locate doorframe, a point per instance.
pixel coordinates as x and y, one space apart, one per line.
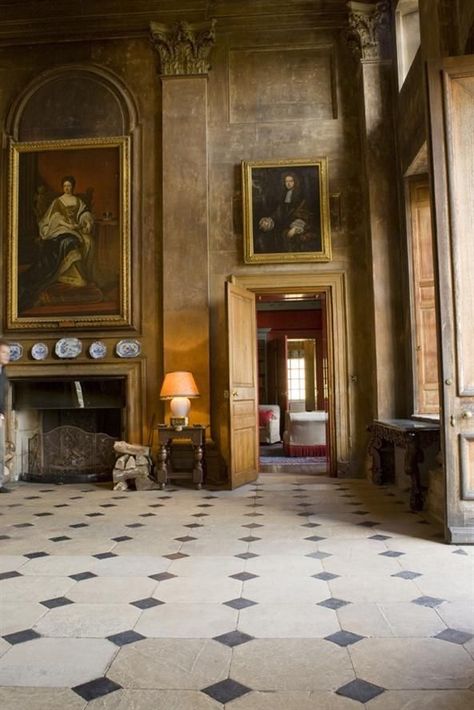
333 284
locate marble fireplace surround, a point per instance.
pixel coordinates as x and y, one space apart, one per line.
21 424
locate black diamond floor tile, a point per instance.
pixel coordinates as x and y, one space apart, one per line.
135 525
243 576
311 525
333 603
108 505
147 603
125 637
122 538
406 574
432 602
250 526
454 636
194 525
368 524
104 555
226 690
35 555
5 537
175 556
380 537
185 538
240 603
162 576
344 638
23 525
360 690
156 505
233 638
96 688
21 636
246 555
315 538
147 515
391 553
79 525
318 555
459 552
10 575
325 576
250 538
42 515
56 602
60 538
80 576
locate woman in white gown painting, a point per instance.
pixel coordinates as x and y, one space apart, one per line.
65 261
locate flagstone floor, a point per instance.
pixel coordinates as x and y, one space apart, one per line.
295 593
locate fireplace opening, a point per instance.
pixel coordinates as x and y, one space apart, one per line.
67 426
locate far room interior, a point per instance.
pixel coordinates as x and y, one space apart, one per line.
293 382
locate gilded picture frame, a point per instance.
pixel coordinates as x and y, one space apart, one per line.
286 211
69 234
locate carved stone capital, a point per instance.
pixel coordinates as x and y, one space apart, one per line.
368 32
185 47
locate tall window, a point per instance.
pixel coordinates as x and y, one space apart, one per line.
296 373
407 29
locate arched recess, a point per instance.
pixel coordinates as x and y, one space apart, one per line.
73 101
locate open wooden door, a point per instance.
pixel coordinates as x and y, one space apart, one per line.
451 97
243 385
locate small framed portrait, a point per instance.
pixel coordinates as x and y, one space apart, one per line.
69 233
286 211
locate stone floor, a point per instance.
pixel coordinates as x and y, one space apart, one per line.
295 593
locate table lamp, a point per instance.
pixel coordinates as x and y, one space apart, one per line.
179 387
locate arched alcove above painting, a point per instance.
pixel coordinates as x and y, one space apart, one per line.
72 102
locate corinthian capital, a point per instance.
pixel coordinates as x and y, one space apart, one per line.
185 47
369 29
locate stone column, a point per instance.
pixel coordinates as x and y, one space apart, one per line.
183 51
369 36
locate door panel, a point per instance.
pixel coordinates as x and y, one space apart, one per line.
451 95
243 386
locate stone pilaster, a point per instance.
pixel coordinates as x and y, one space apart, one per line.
369 37
184 51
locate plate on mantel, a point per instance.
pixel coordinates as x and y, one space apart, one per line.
98 350
39 351
128 348
16 351
68 348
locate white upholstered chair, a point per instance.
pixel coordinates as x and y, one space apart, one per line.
305 433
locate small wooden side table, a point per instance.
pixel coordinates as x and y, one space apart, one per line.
166 435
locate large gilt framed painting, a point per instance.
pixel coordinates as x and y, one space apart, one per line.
69 241
286 211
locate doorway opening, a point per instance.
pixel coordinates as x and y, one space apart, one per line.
293 382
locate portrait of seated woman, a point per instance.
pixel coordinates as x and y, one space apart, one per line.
63 270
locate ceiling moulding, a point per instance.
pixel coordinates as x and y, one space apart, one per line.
33 23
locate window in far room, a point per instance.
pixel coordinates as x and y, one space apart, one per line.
407 29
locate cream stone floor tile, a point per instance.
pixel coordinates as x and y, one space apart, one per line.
88 620
16 616
34 589
40 699
199 589
288 621
365 619
281 565
11 562
143 547
373 588
155 700
458 615
186 620
4 647
184 664
59 565
412 620
131 566
203 566
282 546
284 700
112 590
285 589
423 700
216 546
457 586
56 662
420 664
291 664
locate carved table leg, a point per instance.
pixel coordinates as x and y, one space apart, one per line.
162 473
374 447
197 470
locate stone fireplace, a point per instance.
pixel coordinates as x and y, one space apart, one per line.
64 421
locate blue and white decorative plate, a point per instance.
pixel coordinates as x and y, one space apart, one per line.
16 351
39 351
68 348
128 348
97 350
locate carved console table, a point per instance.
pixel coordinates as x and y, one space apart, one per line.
409 434
166 435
